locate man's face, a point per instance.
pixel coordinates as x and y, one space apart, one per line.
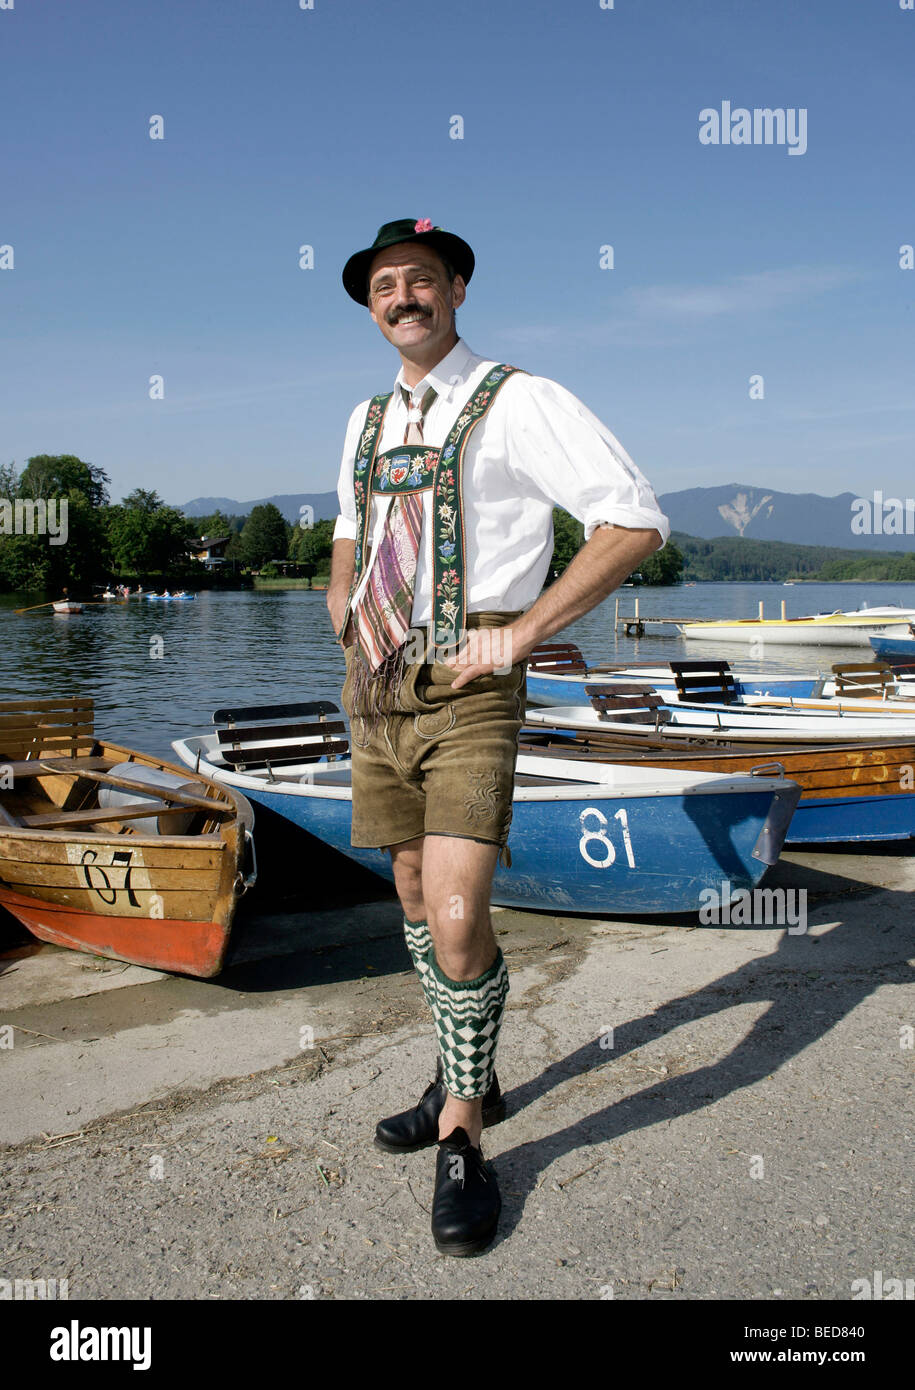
410 298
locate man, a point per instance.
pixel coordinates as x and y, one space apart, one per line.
445 533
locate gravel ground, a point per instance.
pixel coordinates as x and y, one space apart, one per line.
748 1135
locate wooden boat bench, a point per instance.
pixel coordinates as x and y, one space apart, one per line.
557 659
630 704
65 820
250 740
52 727
864 678
566 659
704 682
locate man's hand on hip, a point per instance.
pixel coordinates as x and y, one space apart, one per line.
486 649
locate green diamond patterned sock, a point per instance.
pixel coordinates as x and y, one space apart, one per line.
419 944
468 1016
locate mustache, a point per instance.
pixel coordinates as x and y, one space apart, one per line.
397 314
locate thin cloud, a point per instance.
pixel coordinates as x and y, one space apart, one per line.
767 289
656 307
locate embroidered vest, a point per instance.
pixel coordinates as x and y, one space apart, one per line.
418 468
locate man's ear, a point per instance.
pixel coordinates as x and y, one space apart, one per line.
458 292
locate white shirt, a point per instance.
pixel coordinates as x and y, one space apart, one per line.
537 447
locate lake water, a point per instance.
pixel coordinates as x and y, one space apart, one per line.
263 648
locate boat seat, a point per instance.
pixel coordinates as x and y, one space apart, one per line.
46 727
629 704
63 820
557 658
257 738
864 678
704 682
51 765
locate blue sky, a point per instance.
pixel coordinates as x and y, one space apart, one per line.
286 126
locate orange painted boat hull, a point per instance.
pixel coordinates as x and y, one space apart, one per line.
192 948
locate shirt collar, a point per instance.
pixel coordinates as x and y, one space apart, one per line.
456 364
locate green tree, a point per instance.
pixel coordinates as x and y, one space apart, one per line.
59 475
265 536
234 549
313 545
75 550
145 535
216 524
568 535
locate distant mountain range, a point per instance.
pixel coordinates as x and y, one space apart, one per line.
289 503
763 514
804 518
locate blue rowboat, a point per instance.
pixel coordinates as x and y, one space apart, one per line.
898 652
600 839
546 687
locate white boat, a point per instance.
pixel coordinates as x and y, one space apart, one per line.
836 629
830 703
825 694
67 605
733 724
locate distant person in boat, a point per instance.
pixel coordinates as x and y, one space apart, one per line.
446 492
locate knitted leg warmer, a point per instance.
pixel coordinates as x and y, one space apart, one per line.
468 1016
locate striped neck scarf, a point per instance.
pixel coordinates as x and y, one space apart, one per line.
382 616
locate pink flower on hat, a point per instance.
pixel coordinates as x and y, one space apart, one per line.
423 225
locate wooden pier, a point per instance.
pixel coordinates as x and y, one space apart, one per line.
635 623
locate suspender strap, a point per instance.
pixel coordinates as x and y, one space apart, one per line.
416 468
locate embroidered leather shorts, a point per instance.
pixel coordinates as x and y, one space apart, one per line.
443 762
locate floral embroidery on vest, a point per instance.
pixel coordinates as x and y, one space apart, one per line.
417 468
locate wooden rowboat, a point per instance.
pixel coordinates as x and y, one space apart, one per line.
107 850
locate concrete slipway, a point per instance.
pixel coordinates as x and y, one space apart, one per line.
747 1136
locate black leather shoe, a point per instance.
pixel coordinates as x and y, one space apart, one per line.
466 1205
418 1128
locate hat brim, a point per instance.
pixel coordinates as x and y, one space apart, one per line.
453 248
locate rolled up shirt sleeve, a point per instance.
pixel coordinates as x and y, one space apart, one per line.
568 456
345 527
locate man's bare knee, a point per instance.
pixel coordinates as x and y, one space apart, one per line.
407 864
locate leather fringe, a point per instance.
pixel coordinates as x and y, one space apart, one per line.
376 693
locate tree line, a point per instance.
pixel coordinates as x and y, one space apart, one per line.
59 529
143 537
740 558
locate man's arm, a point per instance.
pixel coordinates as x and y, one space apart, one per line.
342 568
609 557
343 554
558 450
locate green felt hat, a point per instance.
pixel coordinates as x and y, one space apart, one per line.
356 270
